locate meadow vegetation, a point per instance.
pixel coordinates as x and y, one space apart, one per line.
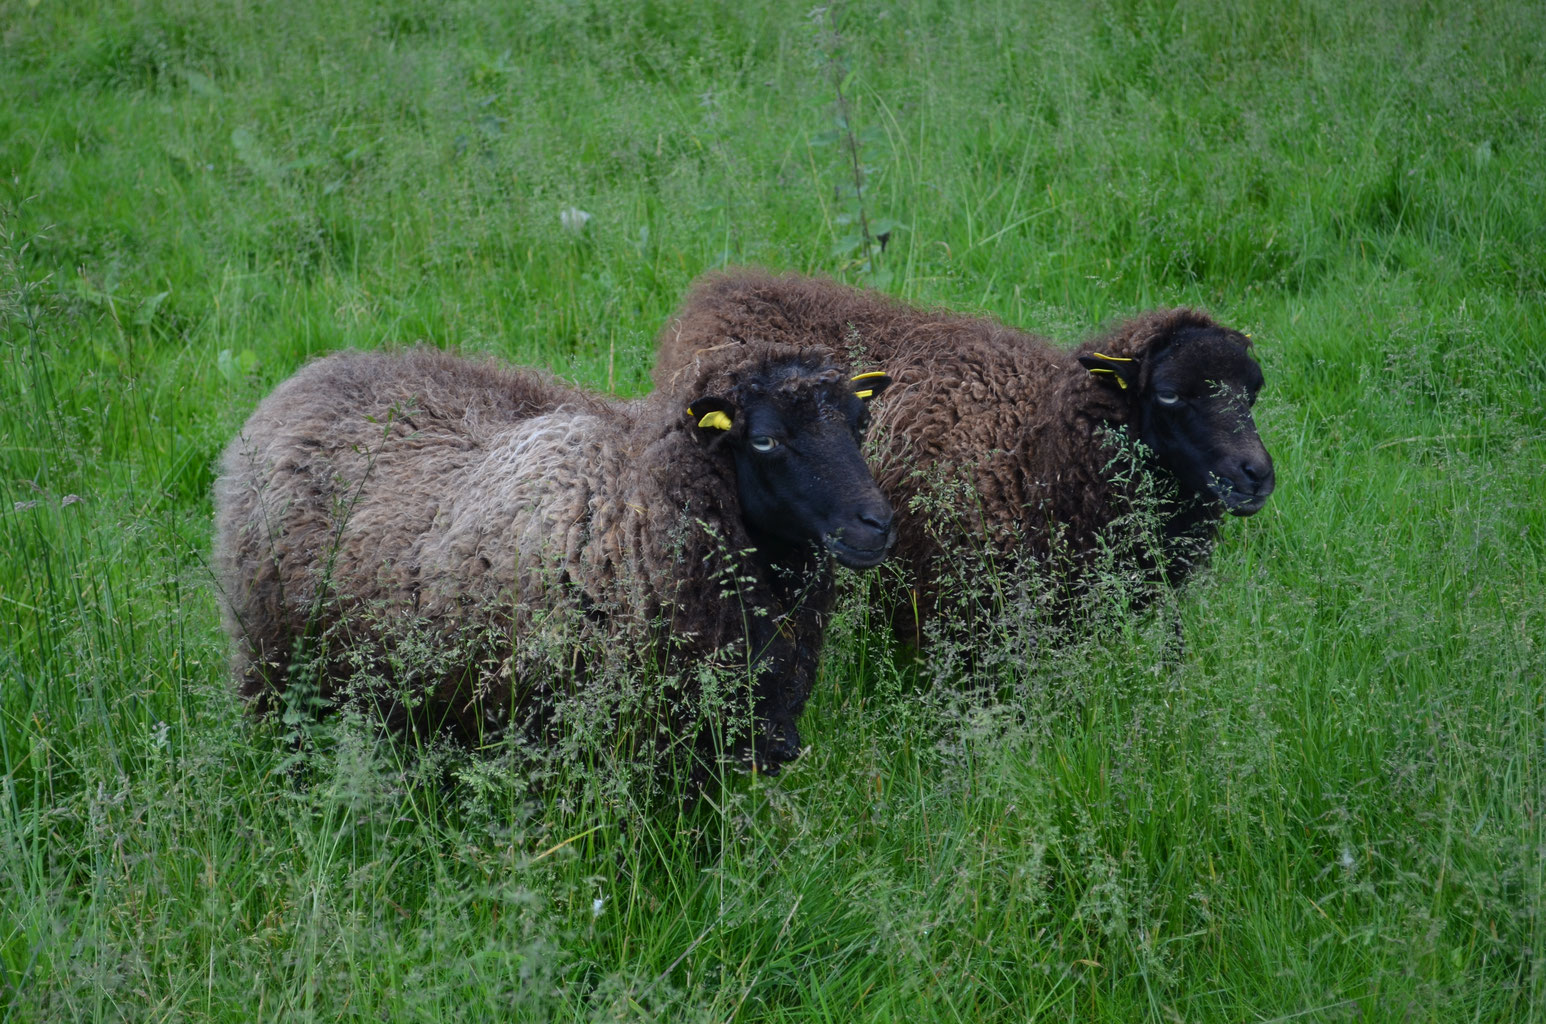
1328 806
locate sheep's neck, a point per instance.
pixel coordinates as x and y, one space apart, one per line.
789 568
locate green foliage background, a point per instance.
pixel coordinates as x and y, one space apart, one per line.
1330 809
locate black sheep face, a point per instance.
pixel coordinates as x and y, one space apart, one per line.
800 474
1191 404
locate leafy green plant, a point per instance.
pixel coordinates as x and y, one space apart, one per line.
863 240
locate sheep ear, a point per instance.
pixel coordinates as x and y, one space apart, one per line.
869 385
712 413
1118 369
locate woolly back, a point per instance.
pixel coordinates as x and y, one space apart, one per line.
857 327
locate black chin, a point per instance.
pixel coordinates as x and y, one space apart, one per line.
1243 505
856 558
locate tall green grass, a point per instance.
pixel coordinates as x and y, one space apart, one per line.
1330 808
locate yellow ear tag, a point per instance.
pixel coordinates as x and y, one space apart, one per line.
1112 359
863 394
867 376
1120 382
715 420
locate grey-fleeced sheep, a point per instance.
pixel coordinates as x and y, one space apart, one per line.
376 497
1023 424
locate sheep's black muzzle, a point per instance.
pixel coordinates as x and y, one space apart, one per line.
864 543
1244 492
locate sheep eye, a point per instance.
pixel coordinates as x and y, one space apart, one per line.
1168 397
763 443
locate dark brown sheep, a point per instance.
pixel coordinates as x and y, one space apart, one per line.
1025 425
376 497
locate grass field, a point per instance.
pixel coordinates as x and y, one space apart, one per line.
1330 809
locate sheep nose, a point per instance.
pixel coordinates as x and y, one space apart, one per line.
877 520
866 535
1257 473
882 520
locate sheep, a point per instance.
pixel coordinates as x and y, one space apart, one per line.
1028 427
374 496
